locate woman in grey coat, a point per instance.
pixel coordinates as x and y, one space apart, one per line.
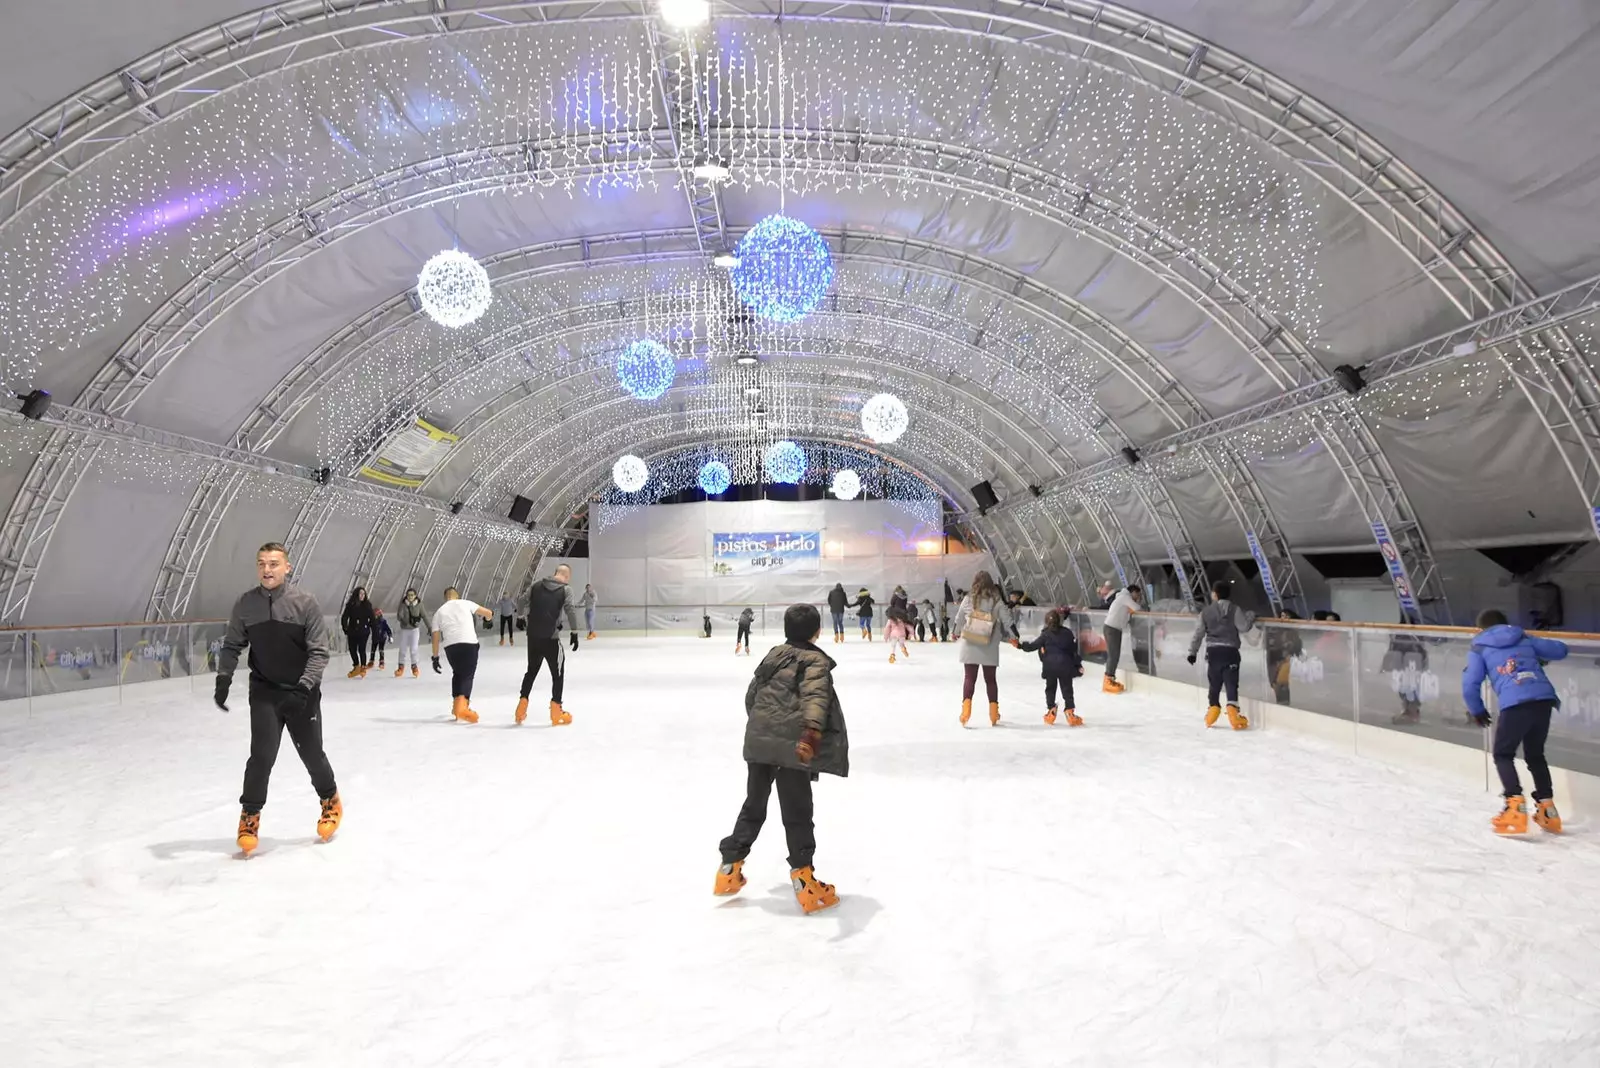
982 622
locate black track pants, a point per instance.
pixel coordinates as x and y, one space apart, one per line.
1526 725
794 802
463 657
268 719
1222 669
546 651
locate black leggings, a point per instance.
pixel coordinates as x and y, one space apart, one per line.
463 657
508 627
268 718
1526 725
1051 681
358 647
744 635
1222 669
794 801
546 651
970 683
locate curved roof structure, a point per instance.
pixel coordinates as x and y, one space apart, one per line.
1068 235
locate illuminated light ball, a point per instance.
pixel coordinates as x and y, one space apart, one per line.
846 485
884 418
785 269
684 13
646 369
453 289
630 474
715 478
785 462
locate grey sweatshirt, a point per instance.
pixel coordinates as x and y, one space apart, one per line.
1219 625
284 631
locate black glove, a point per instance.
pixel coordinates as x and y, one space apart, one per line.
221 697
1480 719
437 670
295 701
1190 658
574 641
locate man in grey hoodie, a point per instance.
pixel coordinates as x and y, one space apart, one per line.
548 601
588 609
1220 624
508 618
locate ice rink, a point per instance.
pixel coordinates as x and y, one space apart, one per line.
1136 892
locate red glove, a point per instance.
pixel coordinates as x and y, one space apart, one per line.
806 747
1016 644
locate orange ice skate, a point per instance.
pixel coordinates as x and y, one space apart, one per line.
1213 714
1236 719
730 879
1111 685
1513 819
994 713
813 894
249 831
1546 816
332 813
522 710
966 711
559 717
1050 716
462 712
1073 719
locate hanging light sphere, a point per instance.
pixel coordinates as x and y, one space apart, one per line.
785 462
884 418
846 485
682 14
453 288
784 270
646 369
715 478
630 474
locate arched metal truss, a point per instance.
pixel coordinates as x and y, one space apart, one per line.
1425 227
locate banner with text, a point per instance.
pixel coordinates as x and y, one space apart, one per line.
409 457
766 553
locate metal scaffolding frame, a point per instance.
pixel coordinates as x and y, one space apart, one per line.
673 55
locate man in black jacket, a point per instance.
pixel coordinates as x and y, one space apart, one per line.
838 600
288 644
548 601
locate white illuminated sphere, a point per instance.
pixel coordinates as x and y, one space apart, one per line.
453 289
884 418
630 474
846 485
681 13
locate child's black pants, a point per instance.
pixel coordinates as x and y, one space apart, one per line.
1526 725
794 802
1222 669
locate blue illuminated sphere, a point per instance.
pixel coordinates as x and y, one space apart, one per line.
646 369
785 269
715 478
786 462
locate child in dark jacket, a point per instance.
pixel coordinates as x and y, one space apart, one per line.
381 634
1058 648
1513 663
794 729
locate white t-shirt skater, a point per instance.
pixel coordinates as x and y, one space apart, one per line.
457 622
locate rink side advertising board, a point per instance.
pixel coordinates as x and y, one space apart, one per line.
408 458
1396 566
766 553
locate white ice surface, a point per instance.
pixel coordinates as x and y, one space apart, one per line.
1136 892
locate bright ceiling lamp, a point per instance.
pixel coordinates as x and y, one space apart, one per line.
685 13
785 462
630 474
846 485
711 169
453 289
884 418
784 271
726 260
646 369
715 477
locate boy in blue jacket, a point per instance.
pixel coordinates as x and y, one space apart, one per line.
1514 663
1058 648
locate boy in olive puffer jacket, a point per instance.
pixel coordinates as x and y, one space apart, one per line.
793 731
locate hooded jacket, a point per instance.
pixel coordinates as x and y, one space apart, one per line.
863 605
357 617
747 617
412 616
1122 608
838 600
792 690
506 606
1220 624
547 600
1512 662
1060 652
588 599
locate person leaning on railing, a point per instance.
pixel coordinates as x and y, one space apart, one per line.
1512 662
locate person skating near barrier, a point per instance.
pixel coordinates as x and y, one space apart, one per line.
507 607
413 620
1057 647
794 731
381 635
1117 617
1283 646
741 642
898 598
455 626
356 623
1220 624
927 619
863 606
589 601
549 604
981 623
282 626
838 601
1512 662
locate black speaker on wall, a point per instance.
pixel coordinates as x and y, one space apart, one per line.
521 508
983 493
